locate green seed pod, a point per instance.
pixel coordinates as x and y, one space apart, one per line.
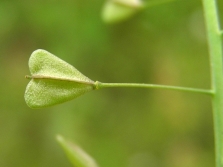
53 81
118 10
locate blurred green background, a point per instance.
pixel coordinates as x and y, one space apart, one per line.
119 127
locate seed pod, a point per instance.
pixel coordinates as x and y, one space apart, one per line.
53 81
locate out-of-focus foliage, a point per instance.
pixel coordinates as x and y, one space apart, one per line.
120 127
77 156
117 11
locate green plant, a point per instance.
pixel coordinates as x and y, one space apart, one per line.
54 81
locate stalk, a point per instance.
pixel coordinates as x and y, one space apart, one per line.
99 85
215 49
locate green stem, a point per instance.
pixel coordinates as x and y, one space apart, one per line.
138 85
215 47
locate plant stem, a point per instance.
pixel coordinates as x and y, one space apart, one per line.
138 85
215 47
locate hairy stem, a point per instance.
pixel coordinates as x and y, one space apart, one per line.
215 49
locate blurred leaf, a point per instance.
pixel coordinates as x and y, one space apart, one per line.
118 10
53 81
115 11
75 154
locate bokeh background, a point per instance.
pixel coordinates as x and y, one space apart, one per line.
119 127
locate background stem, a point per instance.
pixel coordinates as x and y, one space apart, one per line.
215 47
